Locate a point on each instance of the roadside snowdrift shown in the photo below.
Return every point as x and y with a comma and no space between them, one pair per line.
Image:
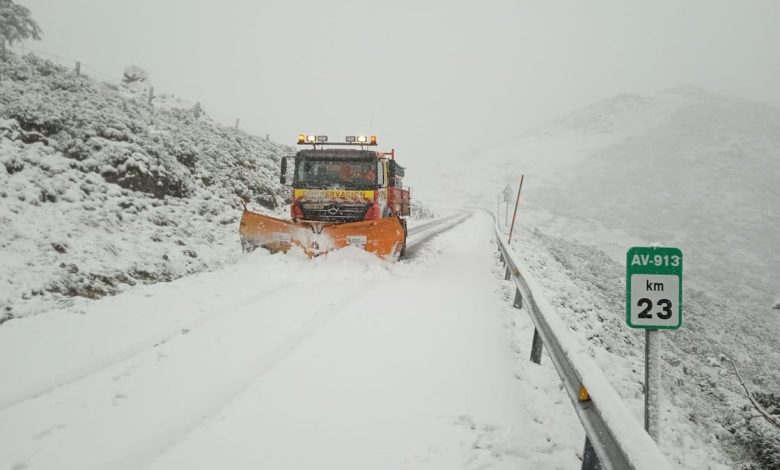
99,190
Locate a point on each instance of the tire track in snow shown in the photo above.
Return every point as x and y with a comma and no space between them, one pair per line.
114,359
265,364
422,233
151,433
425,227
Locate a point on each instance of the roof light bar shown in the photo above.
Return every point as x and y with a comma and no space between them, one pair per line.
361,139
323,140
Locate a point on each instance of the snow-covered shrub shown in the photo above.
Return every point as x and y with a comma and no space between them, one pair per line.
100,190
34,111
760,439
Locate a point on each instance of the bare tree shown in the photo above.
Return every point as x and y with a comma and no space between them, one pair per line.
771,419
16,23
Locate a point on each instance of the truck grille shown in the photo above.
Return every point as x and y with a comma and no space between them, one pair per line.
334,212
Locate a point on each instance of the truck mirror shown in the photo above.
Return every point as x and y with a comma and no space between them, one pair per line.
283,175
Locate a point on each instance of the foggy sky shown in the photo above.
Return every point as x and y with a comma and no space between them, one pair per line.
433,79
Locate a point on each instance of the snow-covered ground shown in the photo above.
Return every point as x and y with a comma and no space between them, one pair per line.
346,361
283,362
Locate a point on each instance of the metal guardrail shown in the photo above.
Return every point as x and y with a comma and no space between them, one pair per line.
614,439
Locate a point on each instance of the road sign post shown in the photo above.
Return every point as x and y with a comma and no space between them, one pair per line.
653,302
507,195
652,383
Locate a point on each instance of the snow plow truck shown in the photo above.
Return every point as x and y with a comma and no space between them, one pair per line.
343,194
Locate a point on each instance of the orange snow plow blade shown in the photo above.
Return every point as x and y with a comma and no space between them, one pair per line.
257,230
384,237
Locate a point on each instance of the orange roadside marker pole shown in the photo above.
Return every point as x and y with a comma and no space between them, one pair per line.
514,216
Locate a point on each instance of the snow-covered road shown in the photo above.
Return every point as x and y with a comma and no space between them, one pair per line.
282,362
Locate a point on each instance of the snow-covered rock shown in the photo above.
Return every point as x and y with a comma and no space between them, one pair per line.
136,78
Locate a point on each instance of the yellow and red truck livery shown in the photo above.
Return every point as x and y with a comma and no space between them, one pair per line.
340,196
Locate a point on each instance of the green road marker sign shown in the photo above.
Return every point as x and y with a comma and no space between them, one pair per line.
654,288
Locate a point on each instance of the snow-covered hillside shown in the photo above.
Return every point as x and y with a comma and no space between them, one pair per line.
704,178
684,168
100,190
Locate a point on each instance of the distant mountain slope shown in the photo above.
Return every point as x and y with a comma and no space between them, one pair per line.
700,174
684,167
100,190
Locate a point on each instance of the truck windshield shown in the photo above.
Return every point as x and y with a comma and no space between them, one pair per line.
329,173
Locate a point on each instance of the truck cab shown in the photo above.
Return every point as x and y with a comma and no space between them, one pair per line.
341,185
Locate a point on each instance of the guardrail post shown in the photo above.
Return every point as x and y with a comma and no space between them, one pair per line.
536,348
78,68
508,274
590,461
518,303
